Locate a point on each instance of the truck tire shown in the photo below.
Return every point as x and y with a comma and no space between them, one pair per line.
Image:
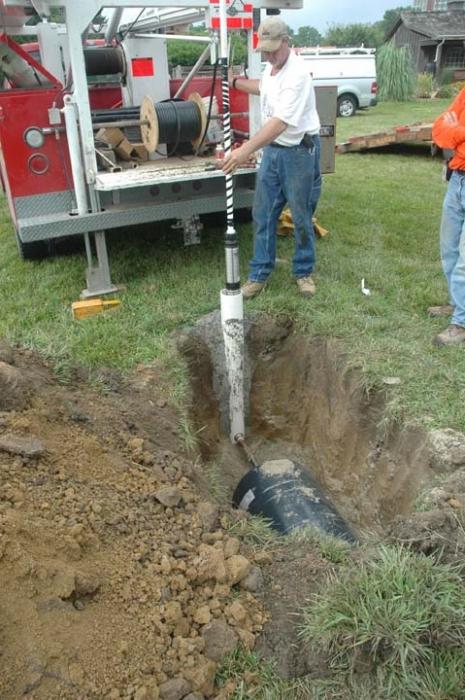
346,105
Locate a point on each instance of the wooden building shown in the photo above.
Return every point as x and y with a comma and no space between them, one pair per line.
436,39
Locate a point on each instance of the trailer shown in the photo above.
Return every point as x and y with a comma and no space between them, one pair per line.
407,133
96,135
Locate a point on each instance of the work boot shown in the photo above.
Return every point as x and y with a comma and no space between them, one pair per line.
442,310
252,289
306,286
453,335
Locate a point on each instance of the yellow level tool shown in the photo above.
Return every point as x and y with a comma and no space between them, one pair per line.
90,307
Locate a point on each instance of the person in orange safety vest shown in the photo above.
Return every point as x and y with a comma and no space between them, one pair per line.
449,134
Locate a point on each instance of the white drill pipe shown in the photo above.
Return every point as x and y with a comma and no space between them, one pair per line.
233,334
232,306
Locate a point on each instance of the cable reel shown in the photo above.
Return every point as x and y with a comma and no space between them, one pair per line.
172,122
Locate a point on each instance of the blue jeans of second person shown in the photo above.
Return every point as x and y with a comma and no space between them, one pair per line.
452,245
289,175
317,179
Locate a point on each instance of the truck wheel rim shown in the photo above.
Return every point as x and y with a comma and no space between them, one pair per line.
346,109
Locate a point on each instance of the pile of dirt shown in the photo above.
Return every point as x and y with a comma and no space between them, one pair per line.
118,579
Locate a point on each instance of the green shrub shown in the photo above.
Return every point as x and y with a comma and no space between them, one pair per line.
425,85
458,85
396,78
447,91
447,76
400,618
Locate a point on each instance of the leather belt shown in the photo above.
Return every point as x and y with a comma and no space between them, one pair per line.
307,141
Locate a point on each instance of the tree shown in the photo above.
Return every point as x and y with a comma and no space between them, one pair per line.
186,53
307,36
353,35
390,18
183,53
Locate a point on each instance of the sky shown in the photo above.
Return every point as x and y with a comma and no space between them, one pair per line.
322,13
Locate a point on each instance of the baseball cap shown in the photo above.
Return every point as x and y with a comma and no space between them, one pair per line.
271,33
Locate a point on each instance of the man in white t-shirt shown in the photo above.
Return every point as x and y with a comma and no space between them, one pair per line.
289,170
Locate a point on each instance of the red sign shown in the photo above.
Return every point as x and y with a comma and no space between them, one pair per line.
233,23
142,67
241,20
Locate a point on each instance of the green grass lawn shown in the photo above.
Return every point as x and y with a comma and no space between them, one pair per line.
389,114
383,211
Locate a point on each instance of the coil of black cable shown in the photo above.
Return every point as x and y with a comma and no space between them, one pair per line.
179,121
104,60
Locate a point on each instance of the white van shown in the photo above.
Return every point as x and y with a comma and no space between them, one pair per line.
351,70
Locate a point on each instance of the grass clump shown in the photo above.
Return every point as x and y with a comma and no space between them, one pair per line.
395,72
424,86
447,92
248,677
215,481
259,532
256,531
330,547
243,670
398,619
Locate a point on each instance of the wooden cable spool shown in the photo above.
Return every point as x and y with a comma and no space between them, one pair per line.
196,98
149,127
152,128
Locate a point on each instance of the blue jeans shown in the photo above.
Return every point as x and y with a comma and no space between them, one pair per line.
317,179
289,175
452,245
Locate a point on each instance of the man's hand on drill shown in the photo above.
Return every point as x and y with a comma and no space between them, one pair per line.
237,157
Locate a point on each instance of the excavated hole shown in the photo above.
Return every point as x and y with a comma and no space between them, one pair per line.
306,404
